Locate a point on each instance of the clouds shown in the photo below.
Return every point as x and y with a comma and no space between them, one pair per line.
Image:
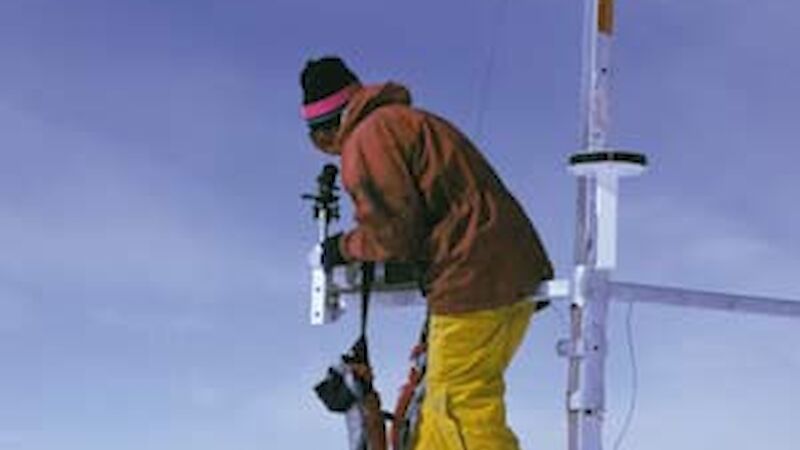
154,244
19,306
75,209
10,440
683,242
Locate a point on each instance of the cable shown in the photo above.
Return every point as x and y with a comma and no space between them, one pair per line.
483,92
634,379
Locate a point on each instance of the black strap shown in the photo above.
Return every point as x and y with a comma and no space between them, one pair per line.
423,334
359,352
367,277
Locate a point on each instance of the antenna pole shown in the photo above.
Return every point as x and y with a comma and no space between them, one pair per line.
598,170
324,303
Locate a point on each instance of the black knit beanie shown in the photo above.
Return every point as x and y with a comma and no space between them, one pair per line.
327,85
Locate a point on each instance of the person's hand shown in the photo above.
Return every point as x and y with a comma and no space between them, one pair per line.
331,253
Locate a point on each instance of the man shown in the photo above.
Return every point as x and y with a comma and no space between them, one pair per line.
424,194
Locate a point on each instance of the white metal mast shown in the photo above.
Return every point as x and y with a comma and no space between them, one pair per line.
598,170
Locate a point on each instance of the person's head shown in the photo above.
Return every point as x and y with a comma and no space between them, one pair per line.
327,85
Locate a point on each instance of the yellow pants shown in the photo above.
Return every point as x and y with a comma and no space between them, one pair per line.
468,355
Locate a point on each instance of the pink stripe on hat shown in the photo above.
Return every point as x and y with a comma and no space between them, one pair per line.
329,103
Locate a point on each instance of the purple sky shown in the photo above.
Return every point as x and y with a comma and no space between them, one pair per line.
153,280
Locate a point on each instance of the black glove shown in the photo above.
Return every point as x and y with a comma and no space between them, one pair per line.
331,254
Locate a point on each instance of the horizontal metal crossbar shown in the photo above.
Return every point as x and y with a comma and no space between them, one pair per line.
632,292
407,294
554,290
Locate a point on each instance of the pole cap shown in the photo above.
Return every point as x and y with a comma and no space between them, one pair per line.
619,163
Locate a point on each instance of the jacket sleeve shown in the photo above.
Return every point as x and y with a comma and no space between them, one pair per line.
389,216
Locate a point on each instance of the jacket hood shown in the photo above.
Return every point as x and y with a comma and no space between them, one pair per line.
368,99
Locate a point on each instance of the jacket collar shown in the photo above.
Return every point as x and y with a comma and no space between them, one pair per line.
368,99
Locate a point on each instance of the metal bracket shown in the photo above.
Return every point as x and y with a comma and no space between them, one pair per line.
568,348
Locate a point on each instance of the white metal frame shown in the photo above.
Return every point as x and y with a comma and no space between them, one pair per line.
590,288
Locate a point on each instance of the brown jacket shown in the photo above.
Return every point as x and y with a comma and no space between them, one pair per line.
424,194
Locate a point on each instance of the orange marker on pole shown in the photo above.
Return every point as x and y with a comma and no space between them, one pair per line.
605,17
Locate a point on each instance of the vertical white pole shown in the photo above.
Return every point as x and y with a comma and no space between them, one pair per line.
597,73
321,313
589,306
607,183
586,392
595,245
325,306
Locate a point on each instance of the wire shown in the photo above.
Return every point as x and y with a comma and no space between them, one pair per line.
488,73
634,379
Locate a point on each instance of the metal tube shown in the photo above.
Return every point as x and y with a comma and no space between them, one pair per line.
631,292
595,244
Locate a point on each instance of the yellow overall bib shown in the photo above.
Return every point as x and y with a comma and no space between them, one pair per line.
468,355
